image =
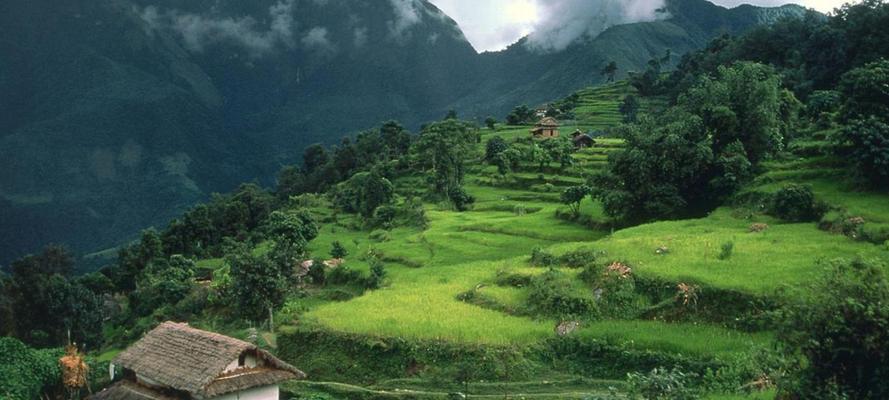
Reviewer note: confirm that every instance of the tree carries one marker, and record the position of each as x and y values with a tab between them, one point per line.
572	197
743	103
520	115
258	285
491	123
866	144
663	171
291	182
291	233
630	108
377	191
609	70
377	273
337	250
314	157
494	147
442	148
838	335
396	139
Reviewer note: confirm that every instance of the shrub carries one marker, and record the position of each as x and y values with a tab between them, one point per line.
379	235
725	251
549	295
384	216
838	335
579	258
377	274
795	203
344	275
337	250
461	199
866	144
542	258
663	384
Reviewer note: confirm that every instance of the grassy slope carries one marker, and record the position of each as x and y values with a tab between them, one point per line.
461	251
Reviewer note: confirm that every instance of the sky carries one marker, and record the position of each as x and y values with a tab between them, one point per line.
492	25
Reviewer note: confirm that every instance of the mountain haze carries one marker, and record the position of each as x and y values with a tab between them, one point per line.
119	114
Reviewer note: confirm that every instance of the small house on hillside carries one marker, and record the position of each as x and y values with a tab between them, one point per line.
178	362
540	112
582	140
546	128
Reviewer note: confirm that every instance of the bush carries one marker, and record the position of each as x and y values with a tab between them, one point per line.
725	251
343	275
380	235
337	250
796	203
384	216
542	258
865	143
461	199
377	274
549	295
661	384
838	335
579	258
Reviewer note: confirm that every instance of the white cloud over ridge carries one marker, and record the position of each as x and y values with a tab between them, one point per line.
563	22
490	26
199	31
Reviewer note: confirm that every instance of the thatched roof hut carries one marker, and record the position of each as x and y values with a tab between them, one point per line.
177	361
546	128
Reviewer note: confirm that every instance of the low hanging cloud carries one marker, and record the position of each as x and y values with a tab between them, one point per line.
199	31
563	22
407	14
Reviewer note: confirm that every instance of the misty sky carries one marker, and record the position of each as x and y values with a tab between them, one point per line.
494	24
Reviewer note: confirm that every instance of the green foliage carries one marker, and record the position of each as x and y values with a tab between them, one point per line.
543	258
494	147
838	332
609	70
258	284
520	115
460	198
314	157
725	250
742	104
549	295
337	250
45	304
795	203
865	143
377	273
26	373
630	109
364	192
864	91
573	195
663	384
163	282
442	149
491	122
662	173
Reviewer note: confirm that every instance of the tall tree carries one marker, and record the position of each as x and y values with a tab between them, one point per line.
609	71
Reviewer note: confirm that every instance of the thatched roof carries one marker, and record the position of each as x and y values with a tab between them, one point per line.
548	122
191	360
129	390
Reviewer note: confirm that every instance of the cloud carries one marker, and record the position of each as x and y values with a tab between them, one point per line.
199	31
316	38
407	14
359	37
564	22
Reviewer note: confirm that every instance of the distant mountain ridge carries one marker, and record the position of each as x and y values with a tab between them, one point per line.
118	114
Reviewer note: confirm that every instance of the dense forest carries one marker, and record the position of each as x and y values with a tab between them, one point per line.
690	142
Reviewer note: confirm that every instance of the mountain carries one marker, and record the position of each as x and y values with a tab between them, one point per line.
118	114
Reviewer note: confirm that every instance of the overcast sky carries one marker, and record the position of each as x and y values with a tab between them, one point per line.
495	24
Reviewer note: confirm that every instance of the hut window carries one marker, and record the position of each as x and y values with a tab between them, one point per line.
242	358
